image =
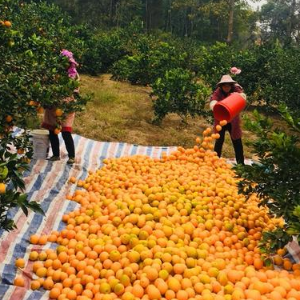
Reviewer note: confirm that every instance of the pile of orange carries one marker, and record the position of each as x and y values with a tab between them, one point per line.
169	228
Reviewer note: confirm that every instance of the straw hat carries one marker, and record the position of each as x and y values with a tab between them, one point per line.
226	79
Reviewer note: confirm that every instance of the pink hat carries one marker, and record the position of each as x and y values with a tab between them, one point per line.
72	72
66	53
226	79
69	55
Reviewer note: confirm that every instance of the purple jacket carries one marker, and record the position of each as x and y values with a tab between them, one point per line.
218	95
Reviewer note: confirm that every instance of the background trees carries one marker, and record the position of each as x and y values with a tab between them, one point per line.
280	20
205	20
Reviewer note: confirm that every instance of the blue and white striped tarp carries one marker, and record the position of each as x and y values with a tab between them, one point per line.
47	183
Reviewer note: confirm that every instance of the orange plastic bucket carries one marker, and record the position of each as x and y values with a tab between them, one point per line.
228	108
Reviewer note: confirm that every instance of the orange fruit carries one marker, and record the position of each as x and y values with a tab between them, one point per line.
19	281
223	122
42	256
218	127
258	263
287	265
8	119
235	276
137	291
57	131
34	239
182	295
40	110
48	283
41	272
59	112
151	273
153	292
54	293
33	255
43	239
20	263
2	188
35	285
7	23
72	179
119	289
72	295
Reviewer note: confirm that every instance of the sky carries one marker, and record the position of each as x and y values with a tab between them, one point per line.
256	5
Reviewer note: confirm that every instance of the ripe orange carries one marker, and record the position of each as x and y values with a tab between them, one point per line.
19	281
43	240
34	255
20	151
153	292
35	285
34	239
2	188
218	127
32	103
57	131
41	272
8	119
7	23
54	293
223	122
72	179
287	265
59	112
20	263
119	289
258	263
40	110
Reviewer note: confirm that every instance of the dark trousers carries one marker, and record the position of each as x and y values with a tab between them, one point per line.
68	139
237	145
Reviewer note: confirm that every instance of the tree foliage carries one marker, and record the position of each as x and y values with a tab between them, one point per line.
276	176
178	92
200	19
32	76
280	20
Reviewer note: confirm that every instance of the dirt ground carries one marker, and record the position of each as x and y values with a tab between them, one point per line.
121	112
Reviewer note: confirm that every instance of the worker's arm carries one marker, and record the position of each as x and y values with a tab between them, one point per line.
215	97
212	104
244	96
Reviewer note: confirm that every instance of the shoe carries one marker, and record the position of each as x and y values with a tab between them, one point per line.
71	161
54	158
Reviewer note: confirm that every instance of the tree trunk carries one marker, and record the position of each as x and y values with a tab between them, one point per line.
291	23
230	22
146	15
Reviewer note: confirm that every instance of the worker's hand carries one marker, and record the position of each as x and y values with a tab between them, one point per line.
212	104
244	95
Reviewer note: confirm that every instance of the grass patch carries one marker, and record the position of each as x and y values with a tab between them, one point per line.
121	112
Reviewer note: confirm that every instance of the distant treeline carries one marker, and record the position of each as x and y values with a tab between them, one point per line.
205	20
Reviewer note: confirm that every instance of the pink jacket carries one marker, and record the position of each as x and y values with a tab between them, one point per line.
218	95
50	119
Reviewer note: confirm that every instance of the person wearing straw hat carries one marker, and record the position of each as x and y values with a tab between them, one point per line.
225	87
50	118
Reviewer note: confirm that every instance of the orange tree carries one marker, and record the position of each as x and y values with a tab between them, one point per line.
275	179
32	76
